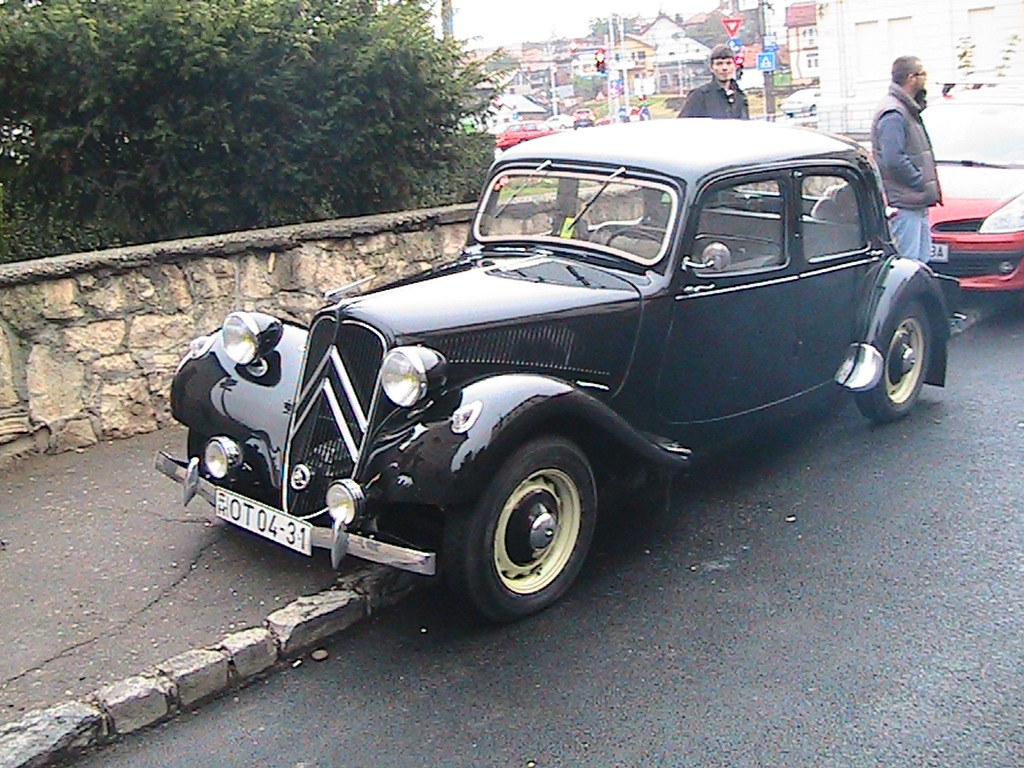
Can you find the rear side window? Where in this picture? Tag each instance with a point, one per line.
(830, 219)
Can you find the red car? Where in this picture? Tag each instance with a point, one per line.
(978, 231)
(584, 118)
(518, 132)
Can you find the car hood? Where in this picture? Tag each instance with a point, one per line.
(975, 191)
(538, 313)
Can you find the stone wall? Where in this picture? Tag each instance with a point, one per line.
(89, 341)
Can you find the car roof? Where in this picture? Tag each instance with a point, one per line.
(1014, 98)
(685, 147)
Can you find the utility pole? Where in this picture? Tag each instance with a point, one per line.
(613, 105)
(551, 78)
(769, 76)
(624, 72)
(447, 20)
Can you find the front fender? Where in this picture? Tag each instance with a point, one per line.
(422, 460)
(899, 281)
(213, 395)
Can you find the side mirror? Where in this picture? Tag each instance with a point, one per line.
(715, 256)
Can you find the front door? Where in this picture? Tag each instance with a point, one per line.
(731, 337)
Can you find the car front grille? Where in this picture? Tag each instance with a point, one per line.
(332, 411)
(962, 225)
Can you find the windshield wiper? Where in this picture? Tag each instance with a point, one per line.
(592, 200)
(537, 173)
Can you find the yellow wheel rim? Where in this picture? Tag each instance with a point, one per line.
(544, 506)
(904, 364)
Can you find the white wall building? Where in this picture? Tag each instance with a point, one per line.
(957, 40)
(677, 59)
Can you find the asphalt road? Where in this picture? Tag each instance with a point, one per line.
(836, 595)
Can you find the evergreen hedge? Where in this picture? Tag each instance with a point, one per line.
(127, 121)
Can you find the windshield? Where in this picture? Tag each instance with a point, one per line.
(628, 217)
(980, 133)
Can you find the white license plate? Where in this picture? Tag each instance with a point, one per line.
(940, 252)
(264, 521)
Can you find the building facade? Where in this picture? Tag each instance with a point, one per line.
(802, 42)
(958, 41)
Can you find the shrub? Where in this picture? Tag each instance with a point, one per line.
(126, 121)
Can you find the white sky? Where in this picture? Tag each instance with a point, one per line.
(492, 23)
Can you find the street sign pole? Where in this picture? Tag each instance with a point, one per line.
(769, 76)
(613, 106)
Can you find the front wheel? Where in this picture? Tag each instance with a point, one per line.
(908, 339)
(520, 547)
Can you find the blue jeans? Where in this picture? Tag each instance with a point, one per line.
(912, 233)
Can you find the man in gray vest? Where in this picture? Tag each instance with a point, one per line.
(904, 156)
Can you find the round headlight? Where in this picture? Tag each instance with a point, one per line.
(344, 497)
(222, 454)
(239, 336)
(403, 375)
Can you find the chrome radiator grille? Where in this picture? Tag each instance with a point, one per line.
(332, 411)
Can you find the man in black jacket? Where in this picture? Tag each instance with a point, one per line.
(721, 97)
(903, 152)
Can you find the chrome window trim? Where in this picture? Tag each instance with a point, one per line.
(599, 175)
(712, 290)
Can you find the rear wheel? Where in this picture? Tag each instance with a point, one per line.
(520, 547)
(908, 339)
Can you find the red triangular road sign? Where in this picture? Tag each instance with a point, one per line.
(732, 26)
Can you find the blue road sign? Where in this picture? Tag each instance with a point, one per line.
(770, 43)
(766, 61)
(735, 44)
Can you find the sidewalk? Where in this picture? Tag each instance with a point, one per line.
(105, 575)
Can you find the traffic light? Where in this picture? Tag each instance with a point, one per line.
(600, 61)
(739, 60)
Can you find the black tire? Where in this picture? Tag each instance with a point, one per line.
(520, 547)
(905, 346)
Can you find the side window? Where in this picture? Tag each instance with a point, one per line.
(740, 228)
(830, 218)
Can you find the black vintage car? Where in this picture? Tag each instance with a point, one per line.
(628, 297)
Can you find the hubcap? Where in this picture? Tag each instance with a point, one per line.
(537, 531)
(543, 530)
(905, 363)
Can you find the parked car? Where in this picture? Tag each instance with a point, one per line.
(560, 122)
(584, 118)
(978, 230)
(628, 299)
(802, 103)
(518, 132)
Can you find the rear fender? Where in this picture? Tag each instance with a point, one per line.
(899, 281)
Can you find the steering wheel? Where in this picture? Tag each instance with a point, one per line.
(638, 232)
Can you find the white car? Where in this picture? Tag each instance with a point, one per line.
(560, 122)
(802, 103)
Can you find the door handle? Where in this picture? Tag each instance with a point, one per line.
(689, 290)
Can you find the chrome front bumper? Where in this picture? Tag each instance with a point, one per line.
(339, 542)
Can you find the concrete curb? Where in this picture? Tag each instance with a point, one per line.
(44, 736)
